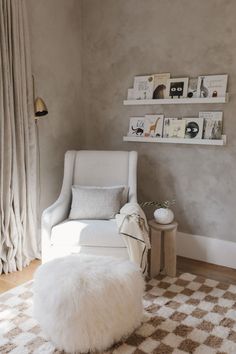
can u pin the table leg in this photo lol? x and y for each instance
(155, 252)
(170, 252)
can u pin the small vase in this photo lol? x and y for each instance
(163, 215)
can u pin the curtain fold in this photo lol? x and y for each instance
(18, 148)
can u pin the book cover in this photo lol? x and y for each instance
(136, 126)
(213, 124)
(153, 126)
(212, 86)
(192, 88)
(143, 87)
(130, 95)
(174, 128)
(160, 84)
(177, 87)
(193, 128)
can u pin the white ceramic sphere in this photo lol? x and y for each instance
(163, 215)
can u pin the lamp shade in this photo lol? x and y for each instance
(40, 107)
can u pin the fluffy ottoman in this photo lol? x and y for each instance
(87, 303)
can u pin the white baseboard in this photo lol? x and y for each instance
(207, 249)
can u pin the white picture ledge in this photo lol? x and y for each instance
(177, 101)
(220, 142)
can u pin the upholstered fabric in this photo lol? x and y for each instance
(60, 250)
(95, 202)
(101, 168)
(96, 233)
(88, 168)
(118, 252)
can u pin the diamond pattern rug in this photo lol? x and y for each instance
(186, 314)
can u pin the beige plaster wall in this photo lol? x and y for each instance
(55, 30)
(124, 38)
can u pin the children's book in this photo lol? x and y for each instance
(136, 126)
(153, 126)
(213, 124)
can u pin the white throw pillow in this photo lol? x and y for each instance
(96, 202)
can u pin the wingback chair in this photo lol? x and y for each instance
(62, 236)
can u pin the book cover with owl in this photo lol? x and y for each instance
(136, 126)
(153, 126)
(213, 124)
(143, 87)
(193, 128)
(160, 86)
(174, 128)
(212, 86)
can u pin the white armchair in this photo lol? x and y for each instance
(62, 236)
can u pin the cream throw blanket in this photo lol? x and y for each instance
(132, 224)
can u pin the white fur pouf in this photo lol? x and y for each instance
(87, 303)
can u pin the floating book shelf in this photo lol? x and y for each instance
(177, 101)
(220, 142)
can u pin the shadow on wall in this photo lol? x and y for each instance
(150, 188)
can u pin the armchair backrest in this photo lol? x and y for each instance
(101, 168)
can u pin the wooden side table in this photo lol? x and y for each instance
(167, 233)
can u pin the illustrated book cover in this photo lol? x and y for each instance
(213, 124)
(143, 87)
(212, 86)
(174, 128)
(192, 88)
(177, 87)
(193, 128)
(160, 84)
(153, 126)
(136, 126)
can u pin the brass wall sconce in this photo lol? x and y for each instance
(40, 107)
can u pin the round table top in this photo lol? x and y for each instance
(162, 227)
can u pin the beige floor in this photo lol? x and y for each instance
(9, 281)
(212, 271)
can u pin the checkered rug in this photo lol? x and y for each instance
(187, 314)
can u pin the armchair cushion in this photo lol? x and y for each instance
(91, 233)
(95, 202)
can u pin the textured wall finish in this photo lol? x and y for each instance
(122, 39)
(56, 55)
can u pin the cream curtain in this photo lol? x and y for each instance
(18, 151)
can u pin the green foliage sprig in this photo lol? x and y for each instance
(164, 204)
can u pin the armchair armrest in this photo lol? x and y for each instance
(51, 216)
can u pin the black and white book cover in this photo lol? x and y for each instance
(177, 87)
(193, 128)
(213, 124)
(136, 126)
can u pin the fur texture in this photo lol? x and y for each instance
(87, 303)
